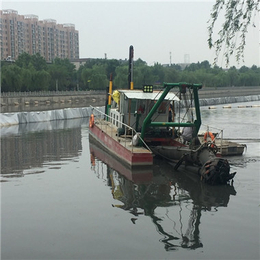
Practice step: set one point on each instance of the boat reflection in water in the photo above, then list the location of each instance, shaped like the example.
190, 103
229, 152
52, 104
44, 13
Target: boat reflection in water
174, 201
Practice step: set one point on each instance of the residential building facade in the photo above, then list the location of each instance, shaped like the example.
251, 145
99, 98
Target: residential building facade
26, 33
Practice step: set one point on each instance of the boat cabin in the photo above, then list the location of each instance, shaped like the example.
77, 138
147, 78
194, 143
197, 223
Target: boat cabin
132, 106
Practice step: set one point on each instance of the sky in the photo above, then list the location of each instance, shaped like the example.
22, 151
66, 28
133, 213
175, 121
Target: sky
160, 31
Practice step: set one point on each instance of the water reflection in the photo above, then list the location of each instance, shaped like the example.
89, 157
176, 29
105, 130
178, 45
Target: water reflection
175, 201
28, 146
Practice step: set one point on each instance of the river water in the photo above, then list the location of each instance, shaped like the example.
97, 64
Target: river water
59, 202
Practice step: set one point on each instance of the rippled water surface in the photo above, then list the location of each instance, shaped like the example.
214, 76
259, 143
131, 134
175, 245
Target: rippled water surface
59, 202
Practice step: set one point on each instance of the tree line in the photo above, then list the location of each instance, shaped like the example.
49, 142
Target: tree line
33, 73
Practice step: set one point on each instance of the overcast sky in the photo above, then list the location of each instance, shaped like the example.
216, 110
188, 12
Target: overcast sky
160, 31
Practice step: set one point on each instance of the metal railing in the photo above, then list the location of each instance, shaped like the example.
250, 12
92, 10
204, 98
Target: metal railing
51, 93
203, 93
218, 134
101, 116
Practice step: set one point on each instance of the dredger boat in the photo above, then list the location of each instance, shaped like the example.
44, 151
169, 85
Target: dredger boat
142, 123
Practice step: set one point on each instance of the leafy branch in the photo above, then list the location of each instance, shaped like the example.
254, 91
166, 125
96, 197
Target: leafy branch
238, 14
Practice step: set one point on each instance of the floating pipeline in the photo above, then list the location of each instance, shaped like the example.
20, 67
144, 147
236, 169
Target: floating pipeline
240, 106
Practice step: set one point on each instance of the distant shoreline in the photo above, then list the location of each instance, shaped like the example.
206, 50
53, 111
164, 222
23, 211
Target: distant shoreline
78, 99
15, 118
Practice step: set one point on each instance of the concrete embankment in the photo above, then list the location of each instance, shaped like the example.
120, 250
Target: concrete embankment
7, 119
39, 101
50, 100
79, 106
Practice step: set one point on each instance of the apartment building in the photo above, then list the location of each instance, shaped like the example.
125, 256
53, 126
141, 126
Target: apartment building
26, 33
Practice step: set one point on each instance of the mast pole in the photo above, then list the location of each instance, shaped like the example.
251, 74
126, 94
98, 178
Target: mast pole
131, 68
109, 94
130, 79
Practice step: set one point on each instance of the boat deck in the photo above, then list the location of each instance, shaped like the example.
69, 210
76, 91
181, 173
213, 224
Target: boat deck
107, 135
229, 148
125, 140
226, 147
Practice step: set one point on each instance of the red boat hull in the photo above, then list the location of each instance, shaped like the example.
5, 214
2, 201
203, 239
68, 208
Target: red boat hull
130, 157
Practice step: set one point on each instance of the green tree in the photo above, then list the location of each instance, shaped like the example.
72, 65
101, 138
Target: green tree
243, 69
188, 76
32, 73
37, 61
140, 62
232, 76
121, 79
41, 80
171, 74
27, 79
219, 79
204, 77
255, 69
205, 65
63, 74
199, 65
254, 78
159, 73
216, 70
11, 78
143, 74
95, 77
59, 79
244, 79
91, 62
239, 14
86, 76
23, 60
111, 66
79, 78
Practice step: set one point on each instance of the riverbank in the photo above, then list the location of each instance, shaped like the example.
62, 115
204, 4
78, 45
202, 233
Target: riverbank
51, 100
63, 106
8, 119
23, 117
